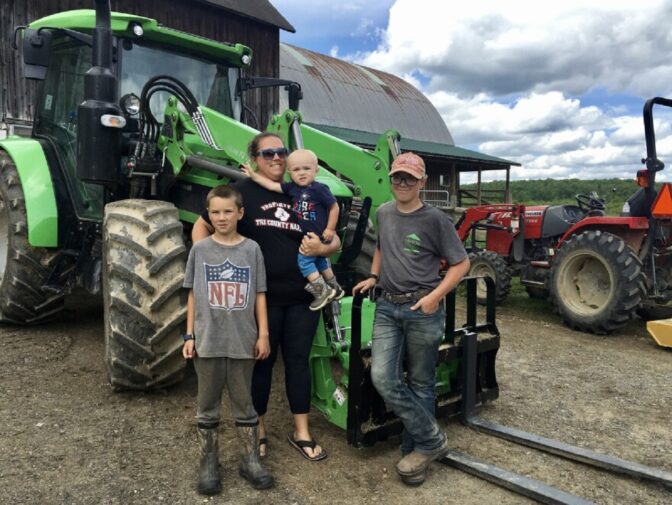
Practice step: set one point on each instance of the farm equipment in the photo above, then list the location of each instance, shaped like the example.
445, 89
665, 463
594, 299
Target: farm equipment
121, 157
598, 271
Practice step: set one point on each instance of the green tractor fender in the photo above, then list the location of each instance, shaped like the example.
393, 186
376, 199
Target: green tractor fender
38, 190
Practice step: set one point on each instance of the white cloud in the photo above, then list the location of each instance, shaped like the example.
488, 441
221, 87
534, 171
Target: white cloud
552, 85
507, 77
517, 46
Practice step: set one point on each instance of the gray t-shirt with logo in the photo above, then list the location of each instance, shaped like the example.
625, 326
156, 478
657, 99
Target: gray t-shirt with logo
225, 280
411, 246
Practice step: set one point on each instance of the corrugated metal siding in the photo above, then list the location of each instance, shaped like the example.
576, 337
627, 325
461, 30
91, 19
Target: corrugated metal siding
337, 93
16, 94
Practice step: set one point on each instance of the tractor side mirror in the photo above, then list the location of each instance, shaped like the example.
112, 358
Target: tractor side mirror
36, 48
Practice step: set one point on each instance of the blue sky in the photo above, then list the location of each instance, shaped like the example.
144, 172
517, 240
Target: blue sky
558, 87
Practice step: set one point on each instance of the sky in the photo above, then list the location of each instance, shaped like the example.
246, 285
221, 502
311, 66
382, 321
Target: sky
556, 86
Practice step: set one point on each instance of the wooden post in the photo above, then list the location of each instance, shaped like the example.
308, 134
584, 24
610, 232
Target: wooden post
478, 187
453, 186
507, 189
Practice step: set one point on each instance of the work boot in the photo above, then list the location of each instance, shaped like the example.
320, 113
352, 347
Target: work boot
333, 284
412, 468
251, 468
322, 293
209, 474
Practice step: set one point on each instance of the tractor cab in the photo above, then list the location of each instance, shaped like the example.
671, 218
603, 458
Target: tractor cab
139, 52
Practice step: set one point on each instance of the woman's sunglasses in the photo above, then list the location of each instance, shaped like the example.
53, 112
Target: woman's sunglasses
269, 154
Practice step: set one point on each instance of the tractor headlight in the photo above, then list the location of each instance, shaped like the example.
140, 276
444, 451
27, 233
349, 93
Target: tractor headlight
130, 104
246, 59
137, 29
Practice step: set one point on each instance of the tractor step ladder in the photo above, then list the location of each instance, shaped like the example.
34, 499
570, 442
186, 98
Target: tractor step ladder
519, 484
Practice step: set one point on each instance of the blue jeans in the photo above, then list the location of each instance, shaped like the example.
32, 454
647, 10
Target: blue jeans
310, 264
399, 333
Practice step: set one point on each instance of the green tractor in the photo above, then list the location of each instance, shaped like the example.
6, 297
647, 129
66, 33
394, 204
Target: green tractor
122, 154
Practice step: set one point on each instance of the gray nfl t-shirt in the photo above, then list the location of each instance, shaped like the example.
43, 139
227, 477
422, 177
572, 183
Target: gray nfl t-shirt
225, 280
411, 246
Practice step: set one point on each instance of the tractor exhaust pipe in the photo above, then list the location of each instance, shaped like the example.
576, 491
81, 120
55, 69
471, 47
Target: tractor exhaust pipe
98, 146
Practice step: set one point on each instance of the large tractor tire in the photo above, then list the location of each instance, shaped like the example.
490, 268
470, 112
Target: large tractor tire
596, 282
361, 265
145, 308
23, 269
493, 265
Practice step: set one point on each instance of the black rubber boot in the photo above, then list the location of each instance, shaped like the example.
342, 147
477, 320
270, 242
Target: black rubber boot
251, 468
209, 474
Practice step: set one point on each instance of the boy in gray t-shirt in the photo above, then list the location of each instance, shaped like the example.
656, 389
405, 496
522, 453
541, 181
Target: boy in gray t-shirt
227, 329
410, 314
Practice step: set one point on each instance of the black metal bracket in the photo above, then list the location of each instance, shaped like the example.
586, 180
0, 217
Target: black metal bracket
368, 419
351, 252
294, 93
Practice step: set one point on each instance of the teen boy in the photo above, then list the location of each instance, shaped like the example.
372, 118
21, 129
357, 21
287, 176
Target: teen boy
227, 329
410, 313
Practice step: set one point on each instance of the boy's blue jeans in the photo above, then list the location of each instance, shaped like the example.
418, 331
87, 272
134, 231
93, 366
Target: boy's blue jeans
310, 264
399, 333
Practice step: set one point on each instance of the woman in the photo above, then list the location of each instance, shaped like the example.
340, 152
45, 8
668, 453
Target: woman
269, 221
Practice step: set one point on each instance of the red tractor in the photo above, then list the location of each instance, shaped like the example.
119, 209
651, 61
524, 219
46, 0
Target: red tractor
597, 270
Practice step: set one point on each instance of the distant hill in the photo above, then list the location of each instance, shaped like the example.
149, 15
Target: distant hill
552, 191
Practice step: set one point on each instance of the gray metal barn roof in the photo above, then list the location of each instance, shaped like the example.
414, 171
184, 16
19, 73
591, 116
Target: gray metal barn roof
343, 95
357, 104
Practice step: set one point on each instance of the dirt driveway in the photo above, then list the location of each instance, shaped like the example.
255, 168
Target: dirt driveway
68, 439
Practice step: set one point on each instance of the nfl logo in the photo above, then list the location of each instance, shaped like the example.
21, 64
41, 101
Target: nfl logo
228, 286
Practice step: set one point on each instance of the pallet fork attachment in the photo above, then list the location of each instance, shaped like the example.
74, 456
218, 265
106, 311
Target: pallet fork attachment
368, 421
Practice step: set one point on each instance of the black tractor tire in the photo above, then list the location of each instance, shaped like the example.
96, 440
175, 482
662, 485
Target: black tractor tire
493, 265
24, 269
145, 306
596, 282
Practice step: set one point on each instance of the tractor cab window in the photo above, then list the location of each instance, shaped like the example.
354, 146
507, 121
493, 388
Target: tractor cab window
56, 119
212, 84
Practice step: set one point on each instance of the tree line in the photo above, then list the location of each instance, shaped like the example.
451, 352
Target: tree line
615, 192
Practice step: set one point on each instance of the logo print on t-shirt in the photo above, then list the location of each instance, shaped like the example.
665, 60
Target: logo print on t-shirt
412, 244
281, 214
228, 285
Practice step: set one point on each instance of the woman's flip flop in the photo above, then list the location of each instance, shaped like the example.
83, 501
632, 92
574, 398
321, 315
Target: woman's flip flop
299, 445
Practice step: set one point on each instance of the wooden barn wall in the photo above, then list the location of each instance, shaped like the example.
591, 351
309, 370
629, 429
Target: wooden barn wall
16, 93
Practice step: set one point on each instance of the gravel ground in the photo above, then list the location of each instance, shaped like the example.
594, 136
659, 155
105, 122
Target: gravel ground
69, 439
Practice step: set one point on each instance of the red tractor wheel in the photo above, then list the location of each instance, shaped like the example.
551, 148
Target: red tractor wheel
596, 282
490, 264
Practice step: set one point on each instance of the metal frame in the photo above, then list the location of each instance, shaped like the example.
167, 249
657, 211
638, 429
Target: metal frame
368, 420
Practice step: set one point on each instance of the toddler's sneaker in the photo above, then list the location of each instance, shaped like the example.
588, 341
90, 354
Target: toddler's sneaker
333, 284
